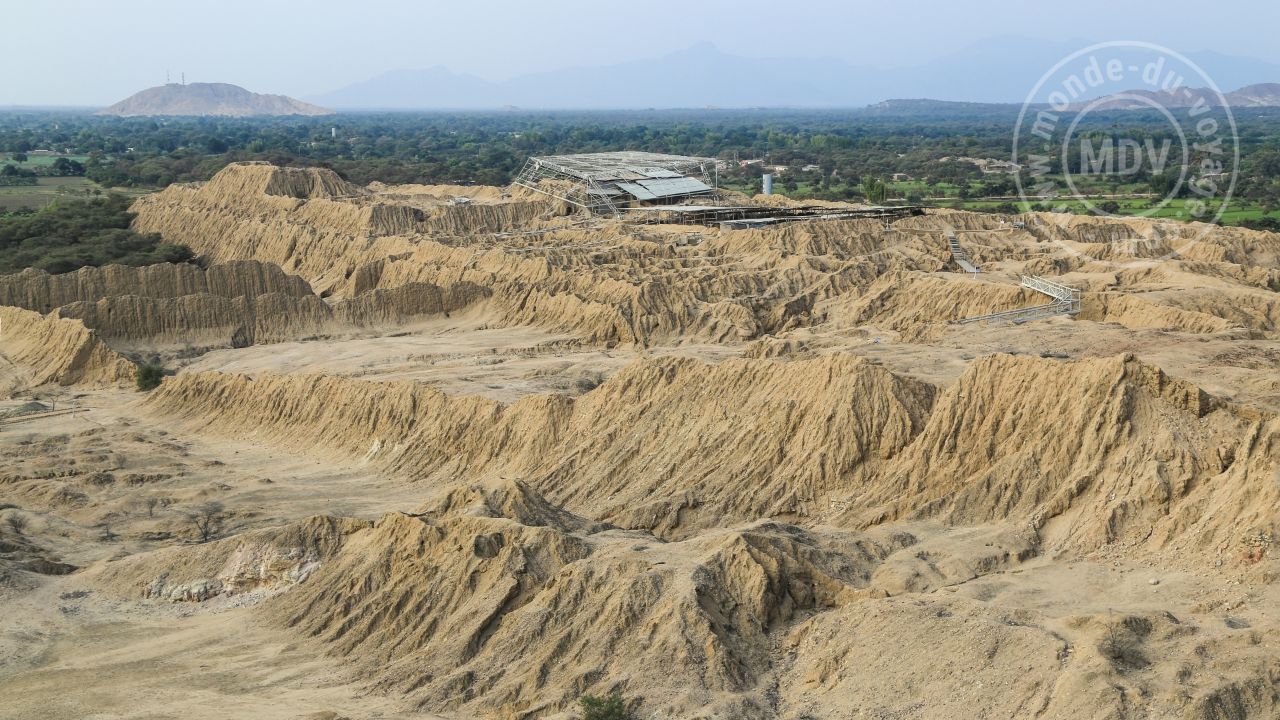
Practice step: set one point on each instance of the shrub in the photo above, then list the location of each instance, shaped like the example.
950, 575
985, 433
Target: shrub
588, 382
148, 376
1004, 208
1121, 643
1269, 224
17, 523
606, 708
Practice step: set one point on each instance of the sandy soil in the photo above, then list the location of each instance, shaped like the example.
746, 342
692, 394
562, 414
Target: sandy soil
728, 475
459, 356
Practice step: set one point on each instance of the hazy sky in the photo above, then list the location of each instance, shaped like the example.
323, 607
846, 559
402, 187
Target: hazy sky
87, 52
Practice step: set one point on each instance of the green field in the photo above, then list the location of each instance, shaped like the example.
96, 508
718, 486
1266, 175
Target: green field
35, 161
50, 189
46, 189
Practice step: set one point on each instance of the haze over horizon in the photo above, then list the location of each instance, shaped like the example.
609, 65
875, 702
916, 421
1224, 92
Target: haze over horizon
484, 360
307, 50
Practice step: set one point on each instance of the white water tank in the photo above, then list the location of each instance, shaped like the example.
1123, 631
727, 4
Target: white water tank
768, 184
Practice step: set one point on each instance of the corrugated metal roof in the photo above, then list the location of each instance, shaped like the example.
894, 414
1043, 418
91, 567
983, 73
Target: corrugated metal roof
640, 193
689, 208
657, 173
667, 187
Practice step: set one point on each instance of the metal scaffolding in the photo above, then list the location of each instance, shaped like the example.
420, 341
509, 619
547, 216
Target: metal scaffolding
603, 183
740, 217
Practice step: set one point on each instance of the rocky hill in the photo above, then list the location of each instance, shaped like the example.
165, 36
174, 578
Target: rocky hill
208, 99
1260, 95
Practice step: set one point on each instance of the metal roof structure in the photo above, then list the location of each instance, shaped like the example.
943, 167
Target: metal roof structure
730, 217
600, 182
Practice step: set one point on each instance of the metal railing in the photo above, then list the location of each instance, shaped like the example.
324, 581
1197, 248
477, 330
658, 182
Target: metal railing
1021, 315
961, 257
1057, 291
1066, 301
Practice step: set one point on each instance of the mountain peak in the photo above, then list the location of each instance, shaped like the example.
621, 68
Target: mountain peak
208, 99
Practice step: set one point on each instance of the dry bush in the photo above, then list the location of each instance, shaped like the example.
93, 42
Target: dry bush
207, 519
1122, 643
17, 522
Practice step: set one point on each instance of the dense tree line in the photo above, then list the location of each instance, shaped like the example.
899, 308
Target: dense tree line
11, 175
829, 152
838, 154
76, 233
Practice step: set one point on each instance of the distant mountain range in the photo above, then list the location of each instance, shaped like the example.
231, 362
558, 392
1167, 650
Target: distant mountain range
1001, 70
1259, 95
906, 107
208, 99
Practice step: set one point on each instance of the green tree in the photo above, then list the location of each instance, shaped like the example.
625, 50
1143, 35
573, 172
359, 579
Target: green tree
1163, 183
20, 157
63, 167
874, 190
71, 234
1264, 162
